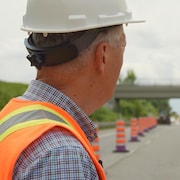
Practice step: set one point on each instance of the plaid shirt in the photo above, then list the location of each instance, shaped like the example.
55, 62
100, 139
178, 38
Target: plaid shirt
57, 154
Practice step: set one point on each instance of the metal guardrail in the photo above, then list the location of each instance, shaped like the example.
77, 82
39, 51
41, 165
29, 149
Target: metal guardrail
105, 124
109, 124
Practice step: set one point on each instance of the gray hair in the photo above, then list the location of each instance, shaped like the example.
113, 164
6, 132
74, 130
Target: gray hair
112, 36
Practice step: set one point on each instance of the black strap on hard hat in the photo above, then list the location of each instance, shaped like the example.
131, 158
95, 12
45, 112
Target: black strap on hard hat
62, 53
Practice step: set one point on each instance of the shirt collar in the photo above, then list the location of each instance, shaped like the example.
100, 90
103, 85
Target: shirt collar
39, 91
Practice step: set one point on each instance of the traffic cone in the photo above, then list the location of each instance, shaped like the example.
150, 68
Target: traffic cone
140, 127
134, 130
120, 137
95, 146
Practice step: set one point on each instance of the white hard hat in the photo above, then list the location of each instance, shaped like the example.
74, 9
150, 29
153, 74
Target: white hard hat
62, 16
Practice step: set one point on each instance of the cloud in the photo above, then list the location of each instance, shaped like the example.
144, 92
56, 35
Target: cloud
14, 65
152, 48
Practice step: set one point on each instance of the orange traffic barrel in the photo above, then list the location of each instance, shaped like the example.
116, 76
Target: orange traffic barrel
140, 127
134, 130
120, 137
95, 146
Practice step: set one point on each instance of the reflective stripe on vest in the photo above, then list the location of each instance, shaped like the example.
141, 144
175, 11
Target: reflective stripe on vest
32, 119
24, 117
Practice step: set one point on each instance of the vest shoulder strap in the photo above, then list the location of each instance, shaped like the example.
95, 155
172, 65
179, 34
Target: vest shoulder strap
32, 120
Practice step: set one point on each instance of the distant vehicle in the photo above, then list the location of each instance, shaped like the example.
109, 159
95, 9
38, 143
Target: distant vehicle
163, 119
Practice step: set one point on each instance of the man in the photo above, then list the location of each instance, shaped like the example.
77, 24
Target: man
78, 52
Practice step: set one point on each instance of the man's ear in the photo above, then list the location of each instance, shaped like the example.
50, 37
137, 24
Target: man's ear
101, 56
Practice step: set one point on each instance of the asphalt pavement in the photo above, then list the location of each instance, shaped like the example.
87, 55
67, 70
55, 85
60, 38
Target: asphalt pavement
155, 157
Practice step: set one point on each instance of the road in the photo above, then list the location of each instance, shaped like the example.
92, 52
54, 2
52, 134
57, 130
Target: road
155, 157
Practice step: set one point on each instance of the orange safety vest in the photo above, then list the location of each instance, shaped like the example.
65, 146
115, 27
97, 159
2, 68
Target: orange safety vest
16, 132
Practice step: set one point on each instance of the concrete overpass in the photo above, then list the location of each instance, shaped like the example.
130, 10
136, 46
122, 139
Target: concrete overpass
146, 91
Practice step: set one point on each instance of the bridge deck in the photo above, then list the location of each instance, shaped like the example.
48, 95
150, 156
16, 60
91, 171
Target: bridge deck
139, 91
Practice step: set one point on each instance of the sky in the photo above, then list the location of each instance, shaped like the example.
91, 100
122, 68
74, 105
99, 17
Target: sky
152, 50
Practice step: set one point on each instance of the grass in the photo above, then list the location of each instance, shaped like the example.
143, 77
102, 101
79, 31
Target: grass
9, 90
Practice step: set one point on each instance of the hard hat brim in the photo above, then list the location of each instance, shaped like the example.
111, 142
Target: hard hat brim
75, 29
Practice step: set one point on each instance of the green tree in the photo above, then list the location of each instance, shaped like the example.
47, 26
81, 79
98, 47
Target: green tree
162, 105
136, 108
143, 107
104, 114
130, 78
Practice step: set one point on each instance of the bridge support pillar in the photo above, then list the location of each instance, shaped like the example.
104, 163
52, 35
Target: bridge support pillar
117, 106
